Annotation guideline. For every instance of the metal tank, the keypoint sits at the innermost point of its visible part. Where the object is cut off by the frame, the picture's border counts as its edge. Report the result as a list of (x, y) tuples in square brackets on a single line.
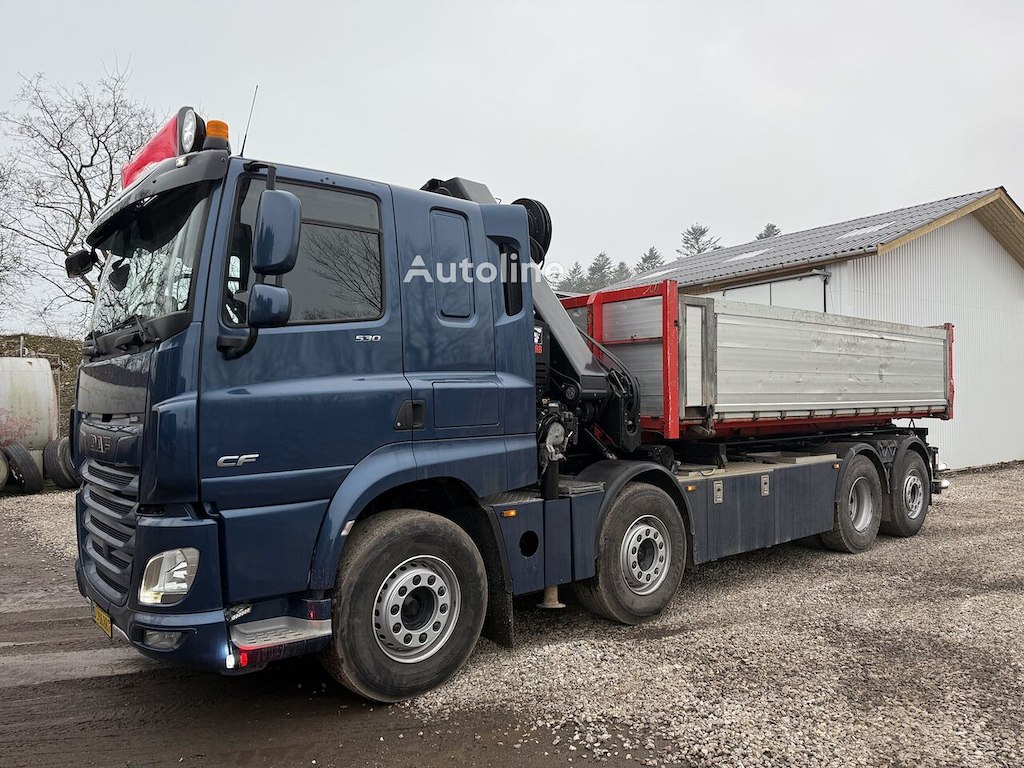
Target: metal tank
[(28, 403)]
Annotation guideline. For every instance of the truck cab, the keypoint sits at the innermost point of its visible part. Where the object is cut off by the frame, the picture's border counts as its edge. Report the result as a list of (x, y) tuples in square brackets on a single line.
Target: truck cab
[(274, 350)]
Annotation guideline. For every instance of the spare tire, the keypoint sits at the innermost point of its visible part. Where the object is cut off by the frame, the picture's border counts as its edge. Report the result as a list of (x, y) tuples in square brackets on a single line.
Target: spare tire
[(24, 470), (4, 471), (55, 467)]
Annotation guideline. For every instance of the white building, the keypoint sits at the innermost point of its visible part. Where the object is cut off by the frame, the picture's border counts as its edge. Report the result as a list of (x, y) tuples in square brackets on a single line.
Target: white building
[(959, 260)]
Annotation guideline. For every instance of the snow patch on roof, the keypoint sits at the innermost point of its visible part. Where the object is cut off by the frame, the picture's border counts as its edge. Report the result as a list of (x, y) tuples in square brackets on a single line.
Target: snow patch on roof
[(748, 255), (865, 230)]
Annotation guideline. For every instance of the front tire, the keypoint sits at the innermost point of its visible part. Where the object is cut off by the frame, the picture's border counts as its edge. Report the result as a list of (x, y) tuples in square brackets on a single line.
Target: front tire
[(859, 510), (407, 606), (641, 555), (910, 497)]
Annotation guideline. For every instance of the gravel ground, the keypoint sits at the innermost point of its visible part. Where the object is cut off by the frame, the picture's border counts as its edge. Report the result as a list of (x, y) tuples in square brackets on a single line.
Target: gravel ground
[(910, 654), (49, 517)]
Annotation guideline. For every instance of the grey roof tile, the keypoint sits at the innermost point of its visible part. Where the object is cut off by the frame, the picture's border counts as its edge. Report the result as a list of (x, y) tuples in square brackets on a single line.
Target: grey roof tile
[(808, 247)]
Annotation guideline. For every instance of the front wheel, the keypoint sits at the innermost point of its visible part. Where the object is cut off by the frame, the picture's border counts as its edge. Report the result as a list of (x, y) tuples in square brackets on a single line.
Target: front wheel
[(407, 606), (641, 554)]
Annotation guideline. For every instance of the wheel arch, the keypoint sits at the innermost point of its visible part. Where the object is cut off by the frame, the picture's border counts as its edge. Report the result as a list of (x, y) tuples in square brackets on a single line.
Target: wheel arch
[(392, 480), (615, 475), (918, 446), (848, 451)]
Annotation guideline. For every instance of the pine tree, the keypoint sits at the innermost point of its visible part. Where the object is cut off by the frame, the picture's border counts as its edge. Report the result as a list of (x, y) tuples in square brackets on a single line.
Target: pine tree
[(650, 260), (770, 230), (599, 272), (697, 239), (620, 273), (573, 280)]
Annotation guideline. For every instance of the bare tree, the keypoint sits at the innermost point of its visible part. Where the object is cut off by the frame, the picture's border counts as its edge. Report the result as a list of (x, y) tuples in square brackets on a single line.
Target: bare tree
[(10, 262), (68, 145), (349, 262)]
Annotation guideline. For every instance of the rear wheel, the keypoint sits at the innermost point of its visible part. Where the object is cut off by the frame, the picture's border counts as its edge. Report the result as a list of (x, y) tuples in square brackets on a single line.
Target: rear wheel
[(910, 497), (859, 510), (641, 554), (407, 607), (23, 468), (4, 471)]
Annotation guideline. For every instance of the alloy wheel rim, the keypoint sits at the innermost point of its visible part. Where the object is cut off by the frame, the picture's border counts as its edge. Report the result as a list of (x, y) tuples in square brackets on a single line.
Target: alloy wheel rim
[(913, 496), (645, 555), (862, 506), (416, 609)]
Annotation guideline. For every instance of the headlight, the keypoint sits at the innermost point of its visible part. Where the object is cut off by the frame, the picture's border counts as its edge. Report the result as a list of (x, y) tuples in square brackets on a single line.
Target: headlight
[(188, 131), (169, 576)]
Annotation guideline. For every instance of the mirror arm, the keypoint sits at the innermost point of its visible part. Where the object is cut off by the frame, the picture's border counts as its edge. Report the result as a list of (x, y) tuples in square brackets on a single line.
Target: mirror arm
[(271, 170), (234, 346)]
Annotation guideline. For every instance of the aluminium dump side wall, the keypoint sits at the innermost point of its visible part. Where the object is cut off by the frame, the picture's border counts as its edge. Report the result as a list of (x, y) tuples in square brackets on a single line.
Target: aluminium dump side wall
[(775, 362), (754, 362)]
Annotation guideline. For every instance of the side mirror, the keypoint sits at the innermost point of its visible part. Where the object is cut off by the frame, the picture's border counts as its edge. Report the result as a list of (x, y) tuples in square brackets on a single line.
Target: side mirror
[(276, 244), (270, 306), (80, 263)]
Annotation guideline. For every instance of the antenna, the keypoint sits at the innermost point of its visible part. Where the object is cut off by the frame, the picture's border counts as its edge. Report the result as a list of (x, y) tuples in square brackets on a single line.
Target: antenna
[(251, 108)]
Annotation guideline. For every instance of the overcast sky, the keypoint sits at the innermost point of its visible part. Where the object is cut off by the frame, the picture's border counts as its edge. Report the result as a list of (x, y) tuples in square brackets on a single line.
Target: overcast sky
[(630, 120)]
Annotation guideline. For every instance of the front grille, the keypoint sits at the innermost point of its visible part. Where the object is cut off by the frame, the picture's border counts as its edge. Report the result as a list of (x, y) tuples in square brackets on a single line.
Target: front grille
[(109, 507)]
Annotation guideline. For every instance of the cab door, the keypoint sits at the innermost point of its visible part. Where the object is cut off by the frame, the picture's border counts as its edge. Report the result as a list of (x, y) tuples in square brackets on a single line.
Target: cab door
[(284, 423), (449, 319)]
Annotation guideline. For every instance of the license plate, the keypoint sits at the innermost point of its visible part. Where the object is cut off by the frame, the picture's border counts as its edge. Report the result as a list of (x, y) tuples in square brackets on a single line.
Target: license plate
[(102, 619)]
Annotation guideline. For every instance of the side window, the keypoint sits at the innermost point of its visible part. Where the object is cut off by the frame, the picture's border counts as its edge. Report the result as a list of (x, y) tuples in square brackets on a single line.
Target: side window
[(338, 275), (453, 288)]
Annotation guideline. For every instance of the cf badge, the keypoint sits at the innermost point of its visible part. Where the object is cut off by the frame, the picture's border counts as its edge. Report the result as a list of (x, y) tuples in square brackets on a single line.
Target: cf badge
[(237, 461)]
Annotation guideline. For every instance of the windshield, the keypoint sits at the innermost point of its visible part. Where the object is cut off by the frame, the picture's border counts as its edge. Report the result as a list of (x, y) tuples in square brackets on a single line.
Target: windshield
[(150, 258)]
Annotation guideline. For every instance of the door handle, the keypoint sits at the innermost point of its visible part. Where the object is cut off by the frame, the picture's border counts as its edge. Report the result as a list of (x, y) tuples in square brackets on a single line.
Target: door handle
[(411, 415)]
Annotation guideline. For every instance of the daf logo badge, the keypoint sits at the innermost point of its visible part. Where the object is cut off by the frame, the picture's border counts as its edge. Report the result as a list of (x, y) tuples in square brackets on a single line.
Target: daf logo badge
[(237, 461), (99, 443)]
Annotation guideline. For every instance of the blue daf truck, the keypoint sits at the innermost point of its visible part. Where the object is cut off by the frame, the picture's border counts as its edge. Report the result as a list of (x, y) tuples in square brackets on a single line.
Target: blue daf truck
[(323, 415)]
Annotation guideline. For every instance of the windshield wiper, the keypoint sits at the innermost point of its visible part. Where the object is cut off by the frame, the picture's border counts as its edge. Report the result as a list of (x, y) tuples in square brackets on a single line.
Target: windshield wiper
[(91, 346), (137, 337), (146, 331)]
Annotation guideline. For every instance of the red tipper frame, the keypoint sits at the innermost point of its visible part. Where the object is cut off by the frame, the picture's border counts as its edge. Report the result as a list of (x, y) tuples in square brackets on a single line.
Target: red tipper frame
[(668, 423), (949, 356)]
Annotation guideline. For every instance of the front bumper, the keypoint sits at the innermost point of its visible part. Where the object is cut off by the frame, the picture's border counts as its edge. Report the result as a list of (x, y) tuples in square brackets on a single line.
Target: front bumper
[(204, 642), (276, 628)]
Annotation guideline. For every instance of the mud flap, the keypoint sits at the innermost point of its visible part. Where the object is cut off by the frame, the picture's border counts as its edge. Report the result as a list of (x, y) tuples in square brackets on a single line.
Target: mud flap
[(499, 623)]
